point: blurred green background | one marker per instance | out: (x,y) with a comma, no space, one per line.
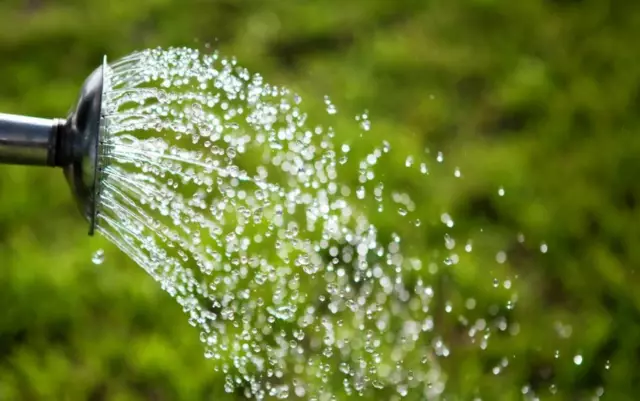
(541,97)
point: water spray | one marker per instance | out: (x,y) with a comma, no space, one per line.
(213,181)
(71,143)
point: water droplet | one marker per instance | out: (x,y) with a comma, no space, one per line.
(98,257)
(447,220)
(331,108)
(577,359)
(468,247)
(409,161)
(403,390)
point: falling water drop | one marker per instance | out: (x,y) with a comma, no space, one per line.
(409,161)
(98,257)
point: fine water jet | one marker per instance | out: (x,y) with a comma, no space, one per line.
(72,144)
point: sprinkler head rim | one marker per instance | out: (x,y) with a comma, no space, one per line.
(79,145)
(96,151)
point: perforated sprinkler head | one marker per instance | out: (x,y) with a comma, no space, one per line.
(72,143)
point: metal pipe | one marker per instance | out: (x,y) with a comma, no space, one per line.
(28,140)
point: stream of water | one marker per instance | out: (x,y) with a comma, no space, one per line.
(260,225)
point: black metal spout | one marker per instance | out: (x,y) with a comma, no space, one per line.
(72,144)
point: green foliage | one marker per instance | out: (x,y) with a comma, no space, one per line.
(540,97)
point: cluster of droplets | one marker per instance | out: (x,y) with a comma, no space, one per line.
(214,182)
